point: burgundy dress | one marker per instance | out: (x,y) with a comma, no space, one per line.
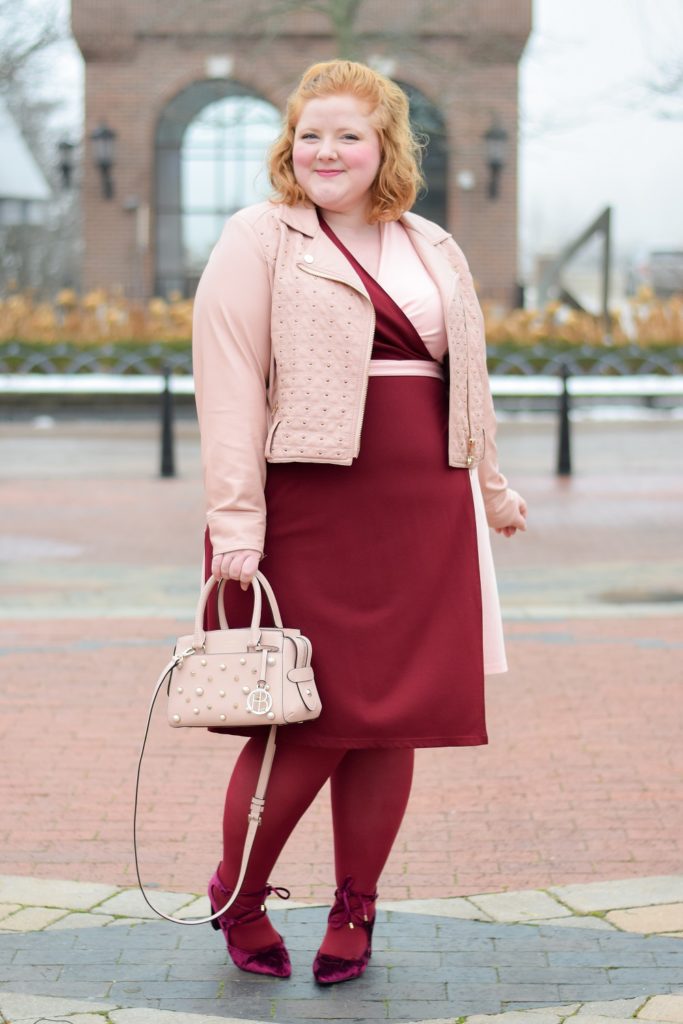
(377,564)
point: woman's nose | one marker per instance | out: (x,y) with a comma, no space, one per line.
(327,150)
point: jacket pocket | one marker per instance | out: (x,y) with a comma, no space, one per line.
(270,435)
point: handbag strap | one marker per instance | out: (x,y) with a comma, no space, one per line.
(258,802)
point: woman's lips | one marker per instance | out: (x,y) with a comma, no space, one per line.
(328,174)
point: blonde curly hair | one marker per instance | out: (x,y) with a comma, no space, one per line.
(399,177)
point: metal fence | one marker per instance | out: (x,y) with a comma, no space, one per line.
(503,360)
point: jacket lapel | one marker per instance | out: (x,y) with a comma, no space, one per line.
(327,261)
(319,256)
(439,269)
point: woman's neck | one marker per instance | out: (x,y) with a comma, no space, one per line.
(353,222)
(363,240)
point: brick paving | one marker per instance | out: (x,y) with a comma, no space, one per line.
(422,967)
(556,797)
(460,959)
(581,783)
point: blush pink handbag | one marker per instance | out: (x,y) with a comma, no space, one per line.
(253,675)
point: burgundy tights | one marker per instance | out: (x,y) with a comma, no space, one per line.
(370,790)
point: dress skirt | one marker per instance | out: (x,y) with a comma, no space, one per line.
(378,564)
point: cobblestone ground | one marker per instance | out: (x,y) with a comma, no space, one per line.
(581,782)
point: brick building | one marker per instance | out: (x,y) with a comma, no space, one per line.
(193,93)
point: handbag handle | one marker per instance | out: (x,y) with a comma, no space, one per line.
(199,637)
(259,578)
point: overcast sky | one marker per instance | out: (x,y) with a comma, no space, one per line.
(591,136)
(590,132)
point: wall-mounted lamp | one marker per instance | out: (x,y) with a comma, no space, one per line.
(65,149)
(495,140)
(465,180)
(103,139)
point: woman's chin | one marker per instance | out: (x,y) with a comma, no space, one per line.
(326,196)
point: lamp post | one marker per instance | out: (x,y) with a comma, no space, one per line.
(103,139)
(65,164)
(495,140)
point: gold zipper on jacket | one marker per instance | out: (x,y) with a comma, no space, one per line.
(314,272)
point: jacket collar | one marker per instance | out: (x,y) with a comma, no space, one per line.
(326,259)
(304,218)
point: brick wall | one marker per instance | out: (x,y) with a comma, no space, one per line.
(139,56)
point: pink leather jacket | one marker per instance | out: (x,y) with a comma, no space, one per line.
(282,335)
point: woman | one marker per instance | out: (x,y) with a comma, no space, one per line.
(321,323)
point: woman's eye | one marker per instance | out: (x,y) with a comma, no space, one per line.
(350,135)
(308,135)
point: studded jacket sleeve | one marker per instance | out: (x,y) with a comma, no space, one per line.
(500,501)
(231,359)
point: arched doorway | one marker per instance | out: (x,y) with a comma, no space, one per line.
(428,120)
(211,142)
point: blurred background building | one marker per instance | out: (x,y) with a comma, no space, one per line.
(182,100)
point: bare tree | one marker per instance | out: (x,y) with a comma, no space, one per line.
(665,89)
(25,33)
(342,17)
(660,30)
(41,255)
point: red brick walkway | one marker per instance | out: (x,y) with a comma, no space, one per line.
(582,779)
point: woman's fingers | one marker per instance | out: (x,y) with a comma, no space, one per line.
(216,563)
(518,520)
(248,569)
(236,565)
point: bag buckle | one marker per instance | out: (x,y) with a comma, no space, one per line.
(256,810)
(179,658)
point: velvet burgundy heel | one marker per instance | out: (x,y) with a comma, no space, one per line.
(272,959)
(350,909)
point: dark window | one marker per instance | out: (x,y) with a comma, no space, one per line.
(428,120)
(210,153)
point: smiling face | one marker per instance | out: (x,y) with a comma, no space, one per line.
(336,153)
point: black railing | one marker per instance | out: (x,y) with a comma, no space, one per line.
(503,359)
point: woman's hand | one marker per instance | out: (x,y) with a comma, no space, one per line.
(236,565)
(517,517)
